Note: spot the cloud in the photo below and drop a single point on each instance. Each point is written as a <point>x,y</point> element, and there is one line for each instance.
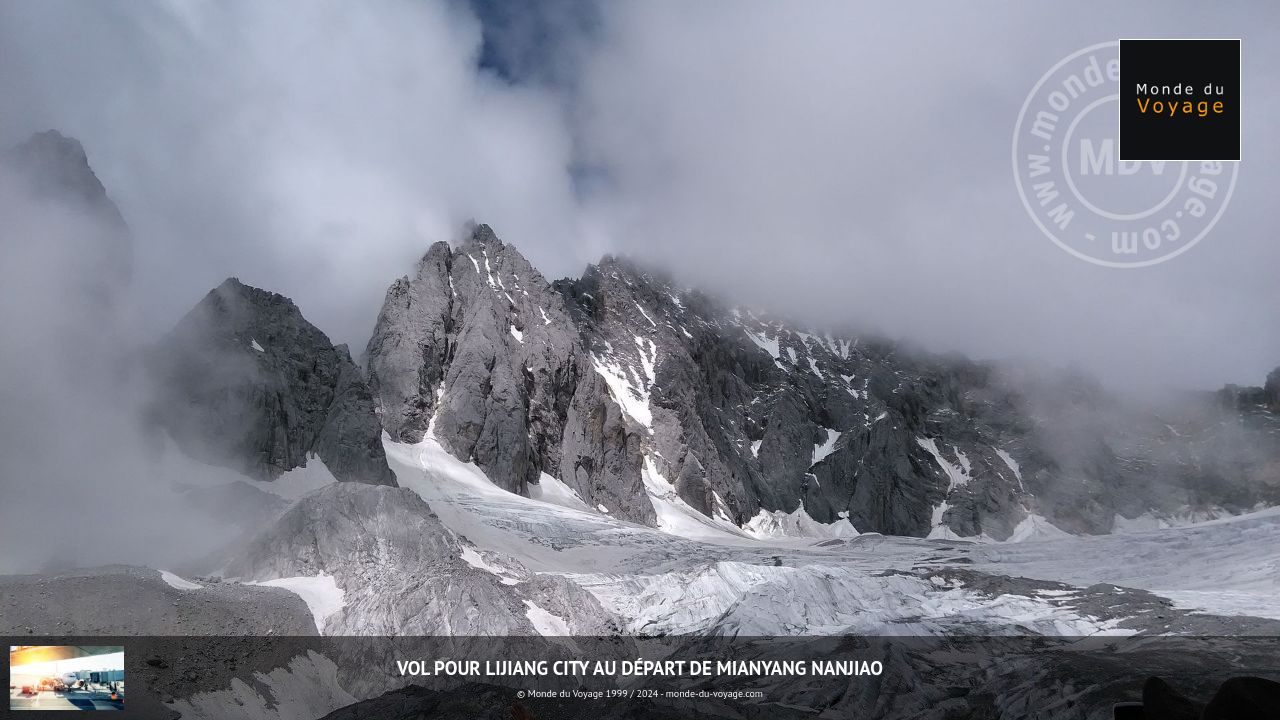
<point>833,161</point>
<point>315,149</point>
<point>72,456</point>
<point>850,162</point>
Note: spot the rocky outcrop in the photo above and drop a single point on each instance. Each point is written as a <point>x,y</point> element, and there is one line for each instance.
<point>402,572</point>
<point>478,348</point>
<point>244,381</point>
<point>1252,398</point>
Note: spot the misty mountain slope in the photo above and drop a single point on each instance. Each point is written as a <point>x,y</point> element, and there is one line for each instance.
<point>245,381</point>
<point>1254,399</point>
<point>653,402</point>
<point>54,169</point>
<point>390,567</point>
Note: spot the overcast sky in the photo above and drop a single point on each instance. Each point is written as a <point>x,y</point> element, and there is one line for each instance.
<point>842,161</point>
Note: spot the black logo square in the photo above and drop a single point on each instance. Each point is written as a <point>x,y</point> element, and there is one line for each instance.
<point>1179,99</point>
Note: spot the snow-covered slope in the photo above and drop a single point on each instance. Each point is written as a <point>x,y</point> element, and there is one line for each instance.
<point>719,581</point>
<point>1229,566</point>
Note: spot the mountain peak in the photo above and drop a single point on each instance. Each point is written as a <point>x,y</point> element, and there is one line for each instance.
<point>53,163</point>
<point>52,142</point>
<point>481,234</point>
<point>50,166</point>
<point>234,286</point>
<point>245,381</point>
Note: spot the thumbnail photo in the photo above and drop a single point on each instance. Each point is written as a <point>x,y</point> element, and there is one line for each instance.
<point>66,677</point>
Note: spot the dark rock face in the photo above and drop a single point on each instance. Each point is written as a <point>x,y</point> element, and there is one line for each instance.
<point>1254,399</point>
<point>630,390</point>
<point>244,381</point>
<point>478,347</point>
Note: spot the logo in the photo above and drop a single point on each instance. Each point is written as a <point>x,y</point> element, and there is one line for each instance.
<point>1180,99</point>
<point>1107,211</point>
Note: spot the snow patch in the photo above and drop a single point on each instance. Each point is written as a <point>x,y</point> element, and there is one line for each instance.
<point>493,284</point>
<point>813,367</point>
<point>551,490</point>
<point>289,486</point>
<point>546,623</point>
<point>254,344</point>
<point>476,560</point>
<point>646,315</point>
<point>648,358</point>
<point>957,475</point>
<point>519,336</point>
<point>177,582</point>
<point>1013,465</point>
<point>1035,528</point>
<point>719,508</point>
<point>826,448</point>
<point>774,525</point>
<point>677,517</point>
<point>936,520</point>
<point>300,480</point>
<point>769,346</point>
<point>633,398</point>
<point>321,594</point>
<point>944,532</point>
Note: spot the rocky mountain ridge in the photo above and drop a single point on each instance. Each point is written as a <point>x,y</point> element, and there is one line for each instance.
<point>648,399</point>
<point>655,403</point>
